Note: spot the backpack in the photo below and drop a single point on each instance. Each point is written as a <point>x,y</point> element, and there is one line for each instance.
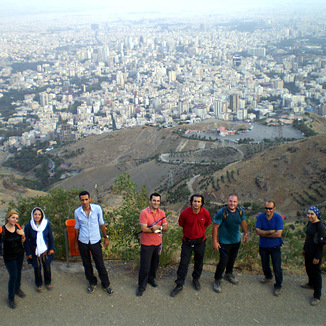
<point>226,211</point>
<point>2,237</point>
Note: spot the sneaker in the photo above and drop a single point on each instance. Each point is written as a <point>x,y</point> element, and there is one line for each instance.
<point>39,289</point>
<point>49,287</point>
<point>217,286</point>
<point>20,293</point>
<point>139,292</point>
<point>314,302</point>
<point>231,278</point>
<point>276,292</point>
<point>266,280</point>
<point>153,283</point>
<point>91,288</point>
<point>11,303</point>
<point>176,290</point>
<point>196,284</point>
<point>306,286</point>
<point>108,290</point>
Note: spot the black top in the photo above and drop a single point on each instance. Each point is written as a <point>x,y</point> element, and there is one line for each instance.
<point>314,243</point>
<point>12,244</point>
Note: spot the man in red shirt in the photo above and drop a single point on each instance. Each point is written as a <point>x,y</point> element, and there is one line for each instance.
<point>194,220</point>
<point>152,223</point>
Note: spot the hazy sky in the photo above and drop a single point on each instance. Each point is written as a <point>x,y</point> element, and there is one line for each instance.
<point>196,6</point>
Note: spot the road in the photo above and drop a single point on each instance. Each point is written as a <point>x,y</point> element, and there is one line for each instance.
<point>249,303</point>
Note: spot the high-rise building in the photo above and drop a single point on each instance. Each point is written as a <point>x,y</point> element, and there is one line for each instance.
<point>234,102</point>
<point>44,99</point>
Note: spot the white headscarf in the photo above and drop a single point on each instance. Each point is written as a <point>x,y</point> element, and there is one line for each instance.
<point>41,247</point>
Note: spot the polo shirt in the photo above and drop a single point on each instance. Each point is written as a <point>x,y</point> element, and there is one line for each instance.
<point>148,217</point>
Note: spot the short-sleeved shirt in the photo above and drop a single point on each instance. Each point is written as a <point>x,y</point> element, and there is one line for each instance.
<point>89,226</point>
<point>229,227</point>
<point>275,223</point>
<point>194,225</point>
<point>148,217</point>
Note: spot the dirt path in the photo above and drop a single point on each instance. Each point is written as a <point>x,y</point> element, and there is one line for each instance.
<point>249,303</point>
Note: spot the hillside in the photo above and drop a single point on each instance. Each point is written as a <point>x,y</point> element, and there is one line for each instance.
<point>292,174</point>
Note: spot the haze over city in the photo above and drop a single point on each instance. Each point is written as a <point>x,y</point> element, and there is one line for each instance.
<point>20,7</point>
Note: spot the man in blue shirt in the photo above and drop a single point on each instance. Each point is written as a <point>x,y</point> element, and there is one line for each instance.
<point>89,222</point>
<point>227,222</point>
<point>269,227</point>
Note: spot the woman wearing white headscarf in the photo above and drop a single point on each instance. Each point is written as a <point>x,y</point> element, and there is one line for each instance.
<point>39,246</point>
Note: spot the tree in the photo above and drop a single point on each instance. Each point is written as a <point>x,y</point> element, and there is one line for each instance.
<point>123,222</point>
<point>58,206</point>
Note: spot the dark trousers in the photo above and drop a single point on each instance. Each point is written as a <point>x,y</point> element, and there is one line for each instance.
<point>186,252</point>
<point>149,260</point>
<point>228,255</point>
<point>38,274</point>
<point>314,274</point>
<point>14,268</point>
<point>96,250</point>
<point>275,254</point>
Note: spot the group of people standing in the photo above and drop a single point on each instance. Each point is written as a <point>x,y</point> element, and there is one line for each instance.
<point>37,238</point>
<point>226,236</point>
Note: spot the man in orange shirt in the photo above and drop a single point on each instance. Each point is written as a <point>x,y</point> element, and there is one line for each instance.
<point>152,223</point>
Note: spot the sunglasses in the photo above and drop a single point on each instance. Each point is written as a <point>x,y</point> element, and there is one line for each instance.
<point>269,208</point>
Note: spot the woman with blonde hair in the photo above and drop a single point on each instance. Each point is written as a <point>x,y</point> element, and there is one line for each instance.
<point>13,255</point>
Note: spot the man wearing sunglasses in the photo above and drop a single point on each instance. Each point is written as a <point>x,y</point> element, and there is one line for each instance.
<point>269,227</point>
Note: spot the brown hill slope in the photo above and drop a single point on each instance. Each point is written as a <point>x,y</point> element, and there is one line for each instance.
<point>292,174</point>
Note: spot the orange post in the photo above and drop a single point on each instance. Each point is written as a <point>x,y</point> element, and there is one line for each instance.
<point>71,236</point>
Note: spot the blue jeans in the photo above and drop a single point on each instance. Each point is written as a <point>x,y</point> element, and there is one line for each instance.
<point>275,254</point>
<point>14,268</point>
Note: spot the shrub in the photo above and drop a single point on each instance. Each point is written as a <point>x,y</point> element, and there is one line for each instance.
<point>58,206</point>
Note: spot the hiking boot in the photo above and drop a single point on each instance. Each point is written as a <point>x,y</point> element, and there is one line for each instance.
<point>49,287</point>
<point>91,288</point>
<point>314,302</point>
<point>266,280</point>
<point>108,290</point>
<point>196,284</point>
<point>176,290</point>
<point>39,289</point>
<point>11,303</point>
<point>139,292</point>
<point>217,286</point>
<point>306,286</point>
<point>231,278</point>
<point>153,283</point>
<point>20,293</point>
<point>276,292</point>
